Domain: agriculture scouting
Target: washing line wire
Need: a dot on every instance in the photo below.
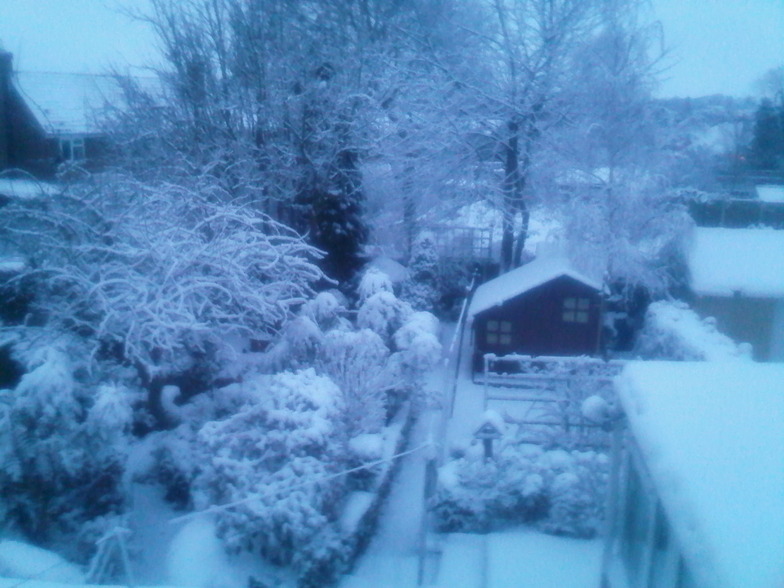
(258, 495)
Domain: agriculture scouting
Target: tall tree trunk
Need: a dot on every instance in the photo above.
(409, 209)
(512, 190)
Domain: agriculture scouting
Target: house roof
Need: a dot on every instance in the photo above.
(711, 436)
(747, 261)
(522, 279)
(68, 103)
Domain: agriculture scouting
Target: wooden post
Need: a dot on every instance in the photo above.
(488, 443)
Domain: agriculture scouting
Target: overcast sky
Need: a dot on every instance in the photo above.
(717, 46)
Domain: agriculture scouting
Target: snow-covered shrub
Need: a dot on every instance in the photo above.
(416, 324)
(419, 351)
(325, 310)
(110, 418)
(363, 449)
(421, 289)
(272, 461)
(561, 491)
(22, 560)
(303, 339)
(383, 314)
(454, 278)
(63, 448)
(673, 331)
(475, 496)
(373, 281)
(576, 495)
(357, 362)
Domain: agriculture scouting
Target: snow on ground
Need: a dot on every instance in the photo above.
(152, 533)
(22, 560)
(519, 558)
(724, 496)
(197, 558)
(17, 583)
(524, 558)
(745, 261)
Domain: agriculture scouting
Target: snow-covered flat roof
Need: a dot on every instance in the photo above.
(747, 261)
(522, 279)
(712, 437)
(770, 192)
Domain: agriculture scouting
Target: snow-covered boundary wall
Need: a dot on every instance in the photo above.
(674, 331)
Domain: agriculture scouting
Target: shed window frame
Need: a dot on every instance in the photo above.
(576, 309)
(498, 332)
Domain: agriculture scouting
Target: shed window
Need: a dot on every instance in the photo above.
(575, 310)
(499, 332)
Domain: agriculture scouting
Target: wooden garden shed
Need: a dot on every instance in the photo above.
(545, 307)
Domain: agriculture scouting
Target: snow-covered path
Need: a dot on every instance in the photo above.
(392, 556)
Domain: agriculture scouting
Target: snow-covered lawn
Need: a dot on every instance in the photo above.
(518, 558)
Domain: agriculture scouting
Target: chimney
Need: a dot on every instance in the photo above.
(6, 70)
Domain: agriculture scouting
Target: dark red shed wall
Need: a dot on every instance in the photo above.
(537, 321)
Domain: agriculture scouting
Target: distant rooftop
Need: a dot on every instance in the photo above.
(69, 103)
(749, 262)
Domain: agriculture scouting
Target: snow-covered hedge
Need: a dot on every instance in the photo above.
(673, 331)
(562, 492)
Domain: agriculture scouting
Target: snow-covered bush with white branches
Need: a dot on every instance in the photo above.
(158, 274)
(357, 361)
(418, 351)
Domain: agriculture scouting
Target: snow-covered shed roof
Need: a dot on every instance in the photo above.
(747, 261)
(712, 438)
(522, 279)
(770, 192)
(69, 103)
